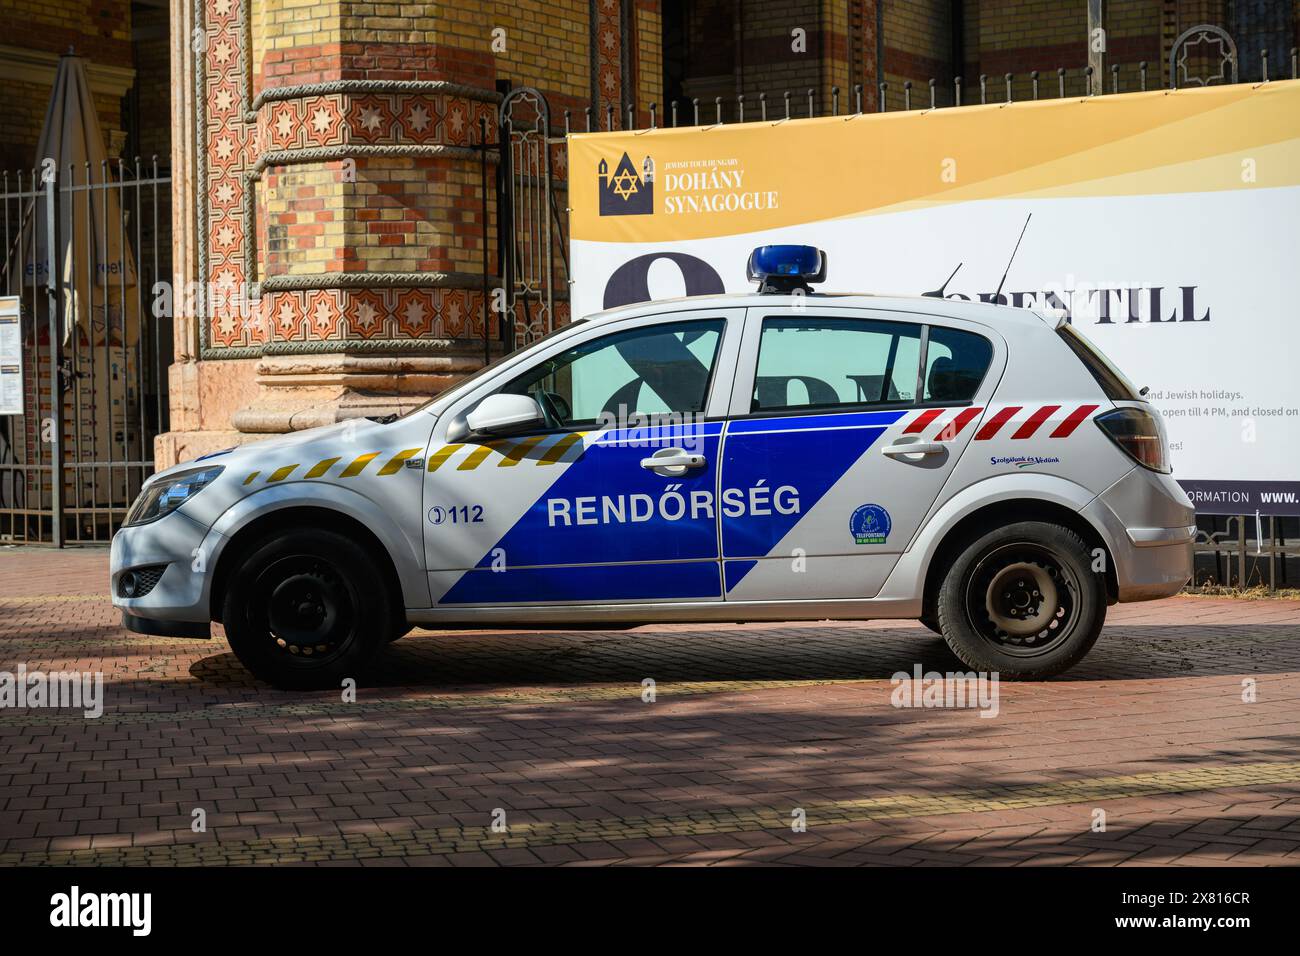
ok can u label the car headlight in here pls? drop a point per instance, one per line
(167, 494)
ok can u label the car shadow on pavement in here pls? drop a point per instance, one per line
(818, 652)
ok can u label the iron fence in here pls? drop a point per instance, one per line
(532, 258)
(1184, 70)
(83, 251)
(1247, 551)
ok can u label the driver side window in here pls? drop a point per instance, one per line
(656, 370)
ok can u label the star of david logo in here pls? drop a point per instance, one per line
(625, 184)
(623, 190)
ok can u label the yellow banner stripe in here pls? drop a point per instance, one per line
(251, 476)
(394, 464)
(321, 467)
(1162, 141)
(438, 458)
(282, 473)
(516, 454)
(359, 464)
(556, 451)
(476, 458)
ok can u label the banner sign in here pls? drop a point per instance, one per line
(1166, 224)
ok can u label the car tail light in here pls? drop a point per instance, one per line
(1140, 433)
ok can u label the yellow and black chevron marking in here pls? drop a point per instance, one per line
(539, 449)
(354, 467)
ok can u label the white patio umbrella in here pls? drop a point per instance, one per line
(98, 268)
(98, 285)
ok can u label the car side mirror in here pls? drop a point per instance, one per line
(503, 414)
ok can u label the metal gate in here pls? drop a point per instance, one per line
(84, 249)
(1202, 55)
(532, 250)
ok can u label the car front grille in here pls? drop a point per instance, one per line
(145, 579)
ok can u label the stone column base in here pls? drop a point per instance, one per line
(202, 398)
(305, 391)
(172, 448)
(212, 410)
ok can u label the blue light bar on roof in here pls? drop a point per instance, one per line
(786, 268)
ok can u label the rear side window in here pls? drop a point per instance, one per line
(1112, 381)
(818, 364)
(955, 364)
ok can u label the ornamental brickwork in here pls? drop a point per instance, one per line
(337, 193)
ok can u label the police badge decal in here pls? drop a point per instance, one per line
(869, 525)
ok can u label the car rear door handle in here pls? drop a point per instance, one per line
(913, 448)
(673, 461)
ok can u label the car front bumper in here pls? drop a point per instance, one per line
(173, 556)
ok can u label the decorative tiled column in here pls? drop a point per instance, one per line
(368, 215)
(329, 200)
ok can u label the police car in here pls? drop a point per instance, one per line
(779, 456)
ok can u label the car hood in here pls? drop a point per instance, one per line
(357, 429)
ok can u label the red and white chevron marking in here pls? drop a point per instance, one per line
(949, 422)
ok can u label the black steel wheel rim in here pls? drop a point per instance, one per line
(1023, 599)
(307, 607)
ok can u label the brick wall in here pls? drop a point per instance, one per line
(761, 53)
(918, 46)
(23, 116)
(745, 47)
(99, 30)
(649, 64)
(402, 213)
(1019, 36)
(378, 180)
(151, 99)
(546, 42)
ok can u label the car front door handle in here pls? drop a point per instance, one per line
(673, 461)
(901, 449)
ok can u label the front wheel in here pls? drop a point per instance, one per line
(1023, 601)
(306, 609)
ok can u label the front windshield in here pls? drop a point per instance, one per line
(469, 380)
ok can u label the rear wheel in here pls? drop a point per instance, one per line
(307, 609)
(1022, 601)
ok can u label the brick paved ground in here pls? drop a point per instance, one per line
(750, 723)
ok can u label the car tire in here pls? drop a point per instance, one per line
(400, 630)
(1022, 601)
(306, 609)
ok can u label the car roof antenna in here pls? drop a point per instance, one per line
(939, 292)
(997, 295)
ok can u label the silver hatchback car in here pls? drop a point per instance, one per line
(777, 456)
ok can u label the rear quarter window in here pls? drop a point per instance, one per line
(956, 362)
